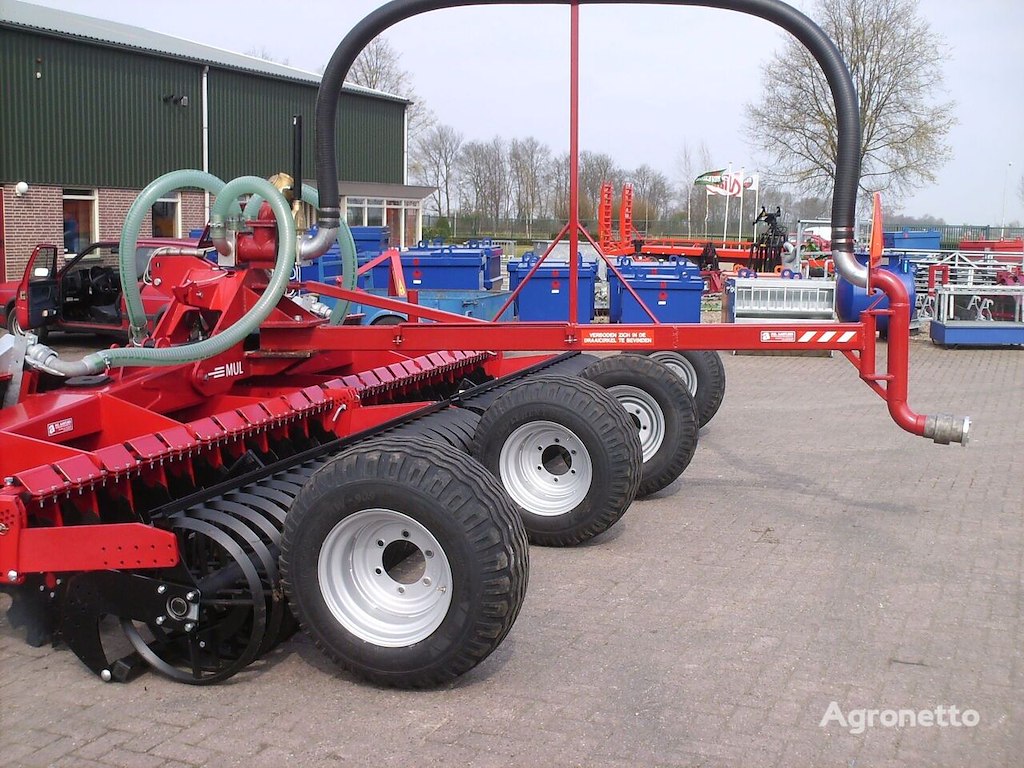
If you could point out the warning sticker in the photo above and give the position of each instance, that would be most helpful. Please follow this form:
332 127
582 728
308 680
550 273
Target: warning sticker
787 337
624 338
60 427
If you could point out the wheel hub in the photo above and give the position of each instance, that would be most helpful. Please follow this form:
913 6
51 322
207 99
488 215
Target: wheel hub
645 414
679 365
545 468
385 577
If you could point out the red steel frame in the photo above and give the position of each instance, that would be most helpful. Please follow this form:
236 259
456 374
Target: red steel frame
855 340
292 381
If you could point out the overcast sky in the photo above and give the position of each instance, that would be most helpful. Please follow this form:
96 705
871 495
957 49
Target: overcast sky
504 71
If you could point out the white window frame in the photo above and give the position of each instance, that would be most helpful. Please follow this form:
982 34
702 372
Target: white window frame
92 195
176 199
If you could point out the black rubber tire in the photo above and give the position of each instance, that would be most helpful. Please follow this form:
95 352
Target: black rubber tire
14 327
462 506
607 434
454 426
709 370
571 366
678 412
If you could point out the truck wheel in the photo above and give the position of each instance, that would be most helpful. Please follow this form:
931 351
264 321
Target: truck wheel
662 410
15 329
567 454
703 374
406 562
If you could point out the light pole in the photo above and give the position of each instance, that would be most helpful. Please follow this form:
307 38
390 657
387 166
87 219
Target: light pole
1002 216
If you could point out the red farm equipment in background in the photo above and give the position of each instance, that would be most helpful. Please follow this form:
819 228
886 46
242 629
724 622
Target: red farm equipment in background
247 466
629 241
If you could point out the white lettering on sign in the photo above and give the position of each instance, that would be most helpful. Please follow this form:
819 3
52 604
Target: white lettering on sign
617 337
228 369
785 337
60 427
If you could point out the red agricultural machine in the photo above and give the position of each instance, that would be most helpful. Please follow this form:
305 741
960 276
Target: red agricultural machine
247 466
629 241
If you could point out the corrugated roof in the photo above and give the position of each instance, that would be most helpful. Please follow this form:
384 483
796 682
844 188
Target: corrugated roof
15 13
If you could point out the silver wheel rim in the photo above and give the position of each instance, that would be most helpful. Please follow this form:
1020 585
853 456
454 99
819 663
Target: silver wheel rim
646 414
14 326
545 468
681 367
381 601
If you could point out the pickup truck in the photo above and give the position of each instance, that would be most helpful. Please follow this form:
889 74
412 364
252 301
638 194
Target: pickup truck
84 295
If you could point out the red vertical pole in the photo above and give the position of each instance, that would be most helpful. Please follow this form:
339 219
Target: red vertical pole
574 158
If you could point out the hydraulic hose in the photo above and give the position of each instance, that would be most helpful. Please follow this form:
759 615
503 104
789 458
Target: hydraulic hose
169 182
824 51
46 359
844 200
346 248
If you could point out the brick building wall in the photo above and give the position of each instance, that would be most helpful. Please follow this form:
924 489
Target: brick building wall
37 217
193 214
113 205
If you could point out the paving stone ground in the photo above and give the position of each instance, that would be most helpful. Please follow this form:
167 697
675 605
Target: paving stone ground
812 553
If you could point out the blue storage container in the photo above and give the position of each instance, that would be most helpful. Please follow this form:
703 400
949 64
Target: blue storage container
546 295
471 303
913 239
671 290
438 267
372 240
851 299
492 260
444 269
485 249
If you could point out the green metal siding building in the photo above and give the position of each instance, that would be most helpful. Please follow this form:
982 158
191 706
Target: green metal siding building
92 109
82 113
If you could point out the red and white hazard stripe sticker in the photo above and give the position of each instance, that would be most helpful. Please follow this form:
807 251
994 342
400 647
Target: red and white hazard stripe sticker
807 337
824 337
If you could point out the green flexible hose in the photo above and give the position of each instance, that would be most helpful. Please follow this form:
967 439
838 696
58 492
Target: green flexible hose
158 188
227 198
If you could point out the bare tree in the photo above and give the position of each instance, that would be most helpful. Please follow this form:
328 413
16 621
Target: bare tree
379 67
595 169
651 195
483 166
691 163
437 152
895 59
558 172
528 162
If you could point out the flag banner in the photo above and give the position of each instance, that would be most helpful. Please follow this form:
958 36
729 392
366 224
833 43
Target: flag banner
752 183
729 186
711 177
